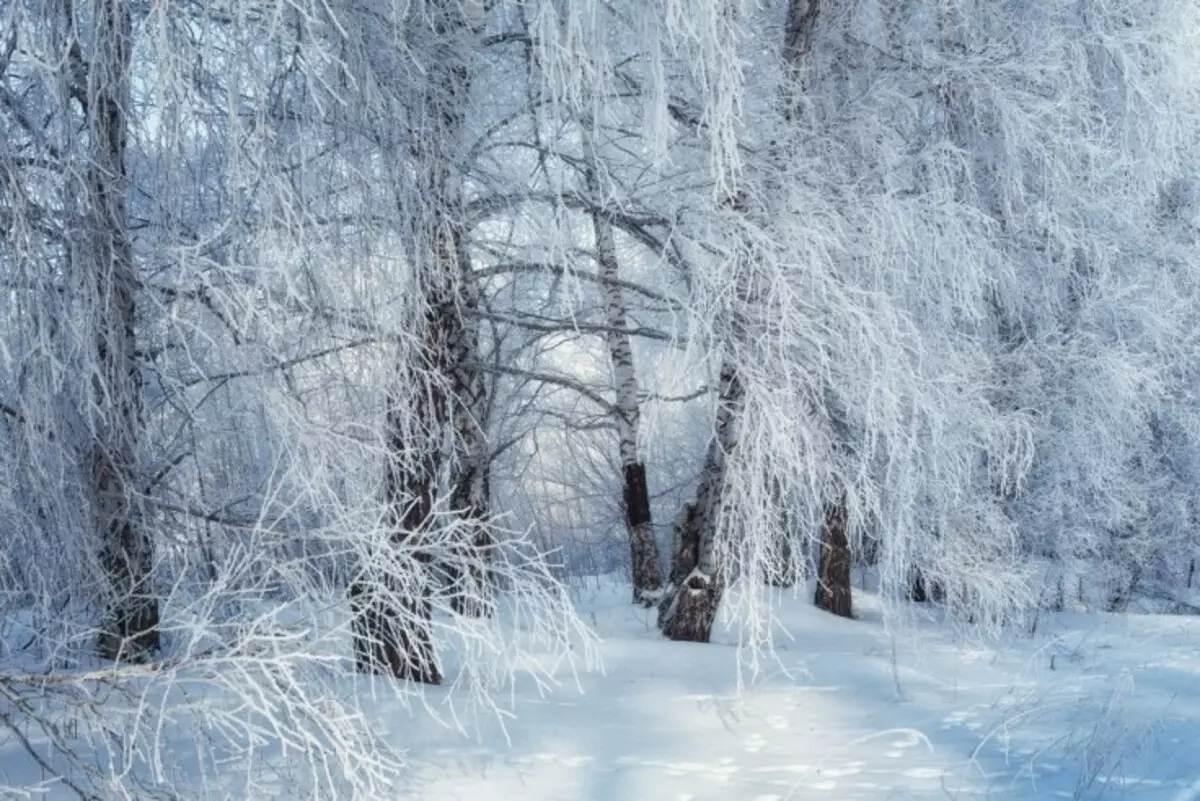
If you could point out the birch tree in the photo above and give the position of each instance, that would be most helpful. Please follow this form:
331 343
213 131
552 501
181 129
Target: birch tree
446 400
107 255
834 561
93 278
643 547
697 579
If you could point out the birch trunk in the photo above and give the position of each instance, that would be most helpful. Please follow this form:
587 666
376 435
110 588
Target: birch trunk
782 569
471 495
391 609
643 548
697 579
834 588
392 614
835 561
834 564
105 259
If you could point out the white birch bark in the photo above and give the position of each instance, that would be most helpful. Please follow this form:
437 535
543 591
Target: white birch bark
643 548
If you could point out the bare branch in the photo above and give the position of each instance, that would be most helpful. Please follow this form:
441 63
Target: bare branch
559 269
572 326
566 382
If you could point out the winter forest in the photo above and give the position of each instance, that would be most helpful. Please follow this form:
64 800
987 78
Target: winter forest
394 391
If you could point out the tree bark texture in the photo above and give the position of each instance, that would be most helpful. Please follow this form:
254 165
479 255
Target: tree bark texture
834 563
689 605
392 614
470 500
781 568
130 625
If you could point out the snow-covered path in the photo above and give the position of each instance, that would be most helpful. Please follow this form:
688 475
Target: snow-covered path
1093 707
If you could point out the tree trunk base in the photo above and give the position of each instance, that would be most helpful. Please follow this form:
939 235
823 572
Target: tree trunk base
647 598
390 641
643 548
833 569
687 613
130 628
129 632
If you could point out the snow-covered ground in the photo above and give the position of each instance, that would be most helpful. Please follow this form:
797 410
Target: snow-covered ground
1090 706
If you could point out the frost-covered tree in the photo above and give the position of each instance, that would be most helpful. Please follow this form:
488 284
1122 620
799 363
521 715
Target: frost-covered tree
70 241
643 547
264 307
439 397
320 326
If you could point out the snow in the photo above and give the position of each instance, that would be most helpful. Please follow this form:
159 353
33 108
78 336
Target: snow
1088 706
1091 706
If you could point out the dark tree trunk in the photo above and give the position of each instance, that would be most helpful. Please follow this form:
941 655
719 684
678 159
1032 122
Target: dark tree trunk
130 625
833 567
391 631
689 605
696 604
390 602
471 580
923 590
1122 594
781 568
687 610
643 549
471 495
411 489
393 618
916 588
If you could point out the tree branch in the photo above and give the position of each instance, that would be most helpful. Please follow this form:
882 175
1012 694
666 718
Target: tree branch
559 269
566 326
285 364
556 380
